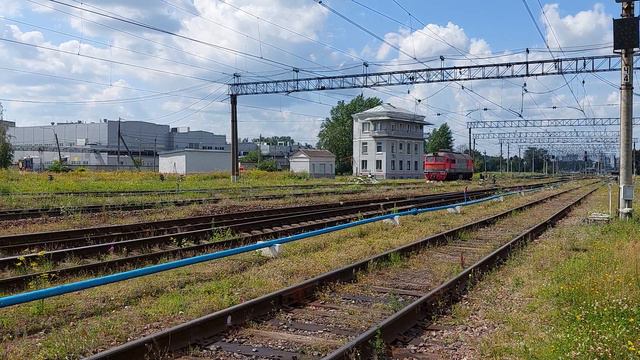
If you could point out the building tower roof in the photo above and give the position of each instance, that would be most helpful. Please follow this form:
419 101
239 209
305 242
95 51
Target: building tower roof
387 111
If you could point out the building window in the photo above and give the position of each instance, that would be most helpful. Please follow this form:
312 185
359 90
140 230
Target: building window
365 147
393 127
415 148
363 165
377 125
378 147
393 148
415 164
313 168
366 126
408 165
378 164
400 164
408 148
400 146
393 164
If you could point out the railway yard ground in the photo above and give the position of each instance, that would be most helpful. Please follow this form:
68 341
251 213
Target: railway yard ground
520 274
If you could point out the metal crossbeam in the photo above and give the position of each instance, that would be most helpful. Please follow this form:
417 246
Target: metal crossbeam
548 134
567 140
576 65
580 146
521 123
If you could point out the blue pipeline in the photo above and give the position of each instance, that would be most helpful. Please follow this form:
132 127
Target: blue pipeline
125 275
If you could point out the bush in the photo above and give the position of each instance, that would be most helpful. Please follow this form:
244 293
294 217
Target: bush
268 165
297 176
57 166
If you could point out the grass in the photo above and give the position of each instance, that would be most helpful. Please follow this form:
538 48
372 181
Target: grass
573 294
96 318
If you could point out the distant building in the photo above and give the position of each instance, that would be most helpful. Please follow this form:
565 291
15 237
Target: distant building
388 142
95 145
316 163
7 124
191 161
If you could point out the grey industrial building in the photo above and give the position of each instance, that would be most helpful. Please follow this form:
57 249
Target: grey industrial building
95 144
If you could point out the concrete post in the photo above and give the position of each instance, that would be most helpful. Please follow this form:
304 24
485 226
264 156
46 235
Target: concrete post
626 126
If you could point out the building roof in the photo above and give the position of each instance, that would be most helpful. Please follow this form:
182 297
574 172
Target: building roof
191 150
314 153
388 111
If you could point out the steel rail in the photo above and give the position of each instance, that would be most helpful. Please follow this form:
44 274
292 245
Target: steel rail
203 230
198 330
440 298
15 214
210 190
122 231
17 282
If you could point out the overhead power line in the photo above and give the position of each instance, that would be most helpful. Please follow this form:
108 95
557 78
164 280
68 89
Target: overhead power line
129 21
16 42
544 39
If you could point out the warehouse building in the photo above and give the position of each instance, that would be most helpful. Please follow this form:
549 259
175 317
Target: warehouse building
97 144
388 143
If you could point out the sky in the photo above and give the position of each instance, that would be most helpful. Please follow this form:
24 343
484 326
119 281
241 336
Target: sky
168 61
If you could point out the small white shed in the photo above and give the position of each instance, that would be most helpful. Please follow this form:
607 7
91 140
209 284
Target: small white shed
317 163
189 161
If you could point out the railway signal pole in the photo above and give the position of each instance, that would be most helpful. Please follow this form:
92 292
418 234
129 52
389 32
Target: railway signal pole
625 39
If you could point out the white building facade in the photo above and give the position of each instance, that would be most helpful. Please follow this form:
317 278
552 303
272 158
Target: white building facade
193 161
388 143
316 163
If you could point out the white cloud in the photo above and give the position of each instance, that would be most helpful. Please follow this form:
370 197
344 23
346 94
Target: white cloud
584 28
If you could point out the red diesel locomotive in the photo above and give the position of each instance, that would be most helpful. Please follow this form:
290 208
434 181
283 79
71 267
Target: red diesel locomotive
448 165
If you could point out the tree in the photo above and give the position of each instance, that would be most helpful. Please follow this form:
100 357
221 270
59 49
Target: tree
534 156
336 132
6 151
439 139
252 156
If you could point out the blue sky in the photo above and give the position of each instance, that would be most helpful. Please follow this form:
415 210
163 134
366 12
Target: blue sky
103 68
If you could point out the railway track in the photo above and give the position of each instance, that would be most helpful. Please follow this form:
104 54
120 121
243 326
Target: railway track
212 191
17 214
187 237
56 211
372 308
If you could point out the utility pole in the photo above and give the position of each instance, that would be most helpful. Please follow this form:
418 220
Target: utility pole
485 164
533 160
633 156
155 152
118 153
58 146
500 162
469 141
519 160
508 158
473 154
625 39
234 138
